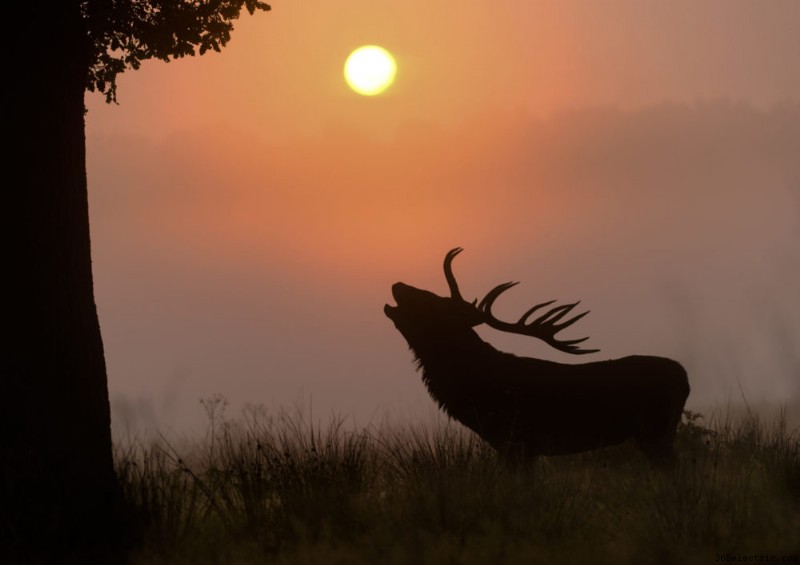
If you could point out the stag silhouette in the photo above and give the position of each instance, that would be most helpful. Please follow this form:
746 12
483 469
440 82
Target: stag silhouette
527 407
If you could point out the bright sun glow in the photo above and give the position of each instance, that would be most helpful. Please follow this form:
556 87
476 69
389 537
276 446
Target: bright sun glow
369 70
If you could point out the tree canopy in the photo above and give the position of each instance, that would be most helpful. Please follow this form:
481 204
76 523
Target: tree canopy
123 33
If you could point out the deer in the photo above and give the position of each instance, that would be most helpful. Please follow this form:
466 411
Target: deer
526 407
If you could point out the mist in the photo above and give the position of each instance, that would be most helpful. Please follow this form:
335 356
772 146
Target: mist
258 267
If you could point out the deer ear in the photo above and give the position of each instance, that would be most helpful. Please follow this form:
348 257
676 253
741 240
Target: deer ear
468 313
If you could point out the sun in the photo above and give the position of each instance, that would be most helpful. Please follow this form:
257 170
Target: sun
369 70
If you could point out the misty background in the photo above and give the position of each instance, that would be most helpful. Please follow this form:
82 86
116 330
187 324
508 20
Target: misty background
248 222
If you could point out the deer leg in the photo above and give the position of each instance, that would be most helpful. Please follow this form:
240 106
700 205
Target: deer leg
660 454
656 437
514 454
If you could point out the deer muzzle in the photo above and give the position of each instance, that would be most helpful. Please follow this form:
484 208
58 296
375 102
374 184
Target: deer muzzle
400 292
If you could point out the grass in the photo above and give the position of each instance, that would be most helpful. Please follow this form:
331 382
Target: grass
277 488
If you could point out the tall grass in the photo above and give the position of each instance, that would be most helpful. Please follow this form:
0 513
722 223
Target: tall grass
279 488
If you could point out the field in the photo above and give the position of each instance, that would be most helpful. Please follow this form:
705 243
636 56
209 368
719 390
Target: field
276 488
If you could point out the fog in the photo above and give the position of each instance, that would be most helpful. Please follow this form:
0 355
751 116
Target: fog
257 267
249 213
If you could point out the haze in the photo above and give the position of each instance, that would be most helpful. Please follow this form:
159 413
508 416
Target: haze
250 213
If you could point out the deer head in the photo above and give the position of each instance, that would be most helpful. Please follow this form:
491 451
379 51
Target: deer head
421 313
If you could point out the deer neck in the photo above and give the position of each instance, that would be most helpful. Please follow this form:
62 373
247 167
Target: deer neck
450 365
452 352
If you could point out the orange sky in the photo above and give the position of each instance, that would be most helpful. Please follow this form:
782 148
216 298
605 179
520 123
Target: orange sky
249 212
281 73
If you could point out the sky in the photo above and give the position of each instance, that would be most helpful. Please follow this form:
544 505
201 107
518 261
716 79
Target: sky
250 212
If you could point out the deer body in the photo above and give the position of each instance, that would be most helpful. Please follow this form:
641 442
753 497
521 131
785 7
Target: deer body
533 406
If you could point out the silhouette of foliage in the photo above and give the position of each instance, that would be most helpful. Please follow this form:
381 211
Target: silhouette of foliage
60 501
276 485
123 33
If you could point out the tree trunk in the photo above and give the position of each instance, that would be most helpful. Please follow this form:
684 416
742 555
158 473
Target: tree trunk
58 492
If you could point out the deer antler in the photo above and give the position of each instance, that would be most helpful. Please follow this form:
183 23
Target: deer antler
448 272
545 327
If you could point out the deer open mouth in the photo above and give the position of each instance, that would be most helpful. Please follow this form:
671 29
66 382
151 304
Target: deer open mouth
397 291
